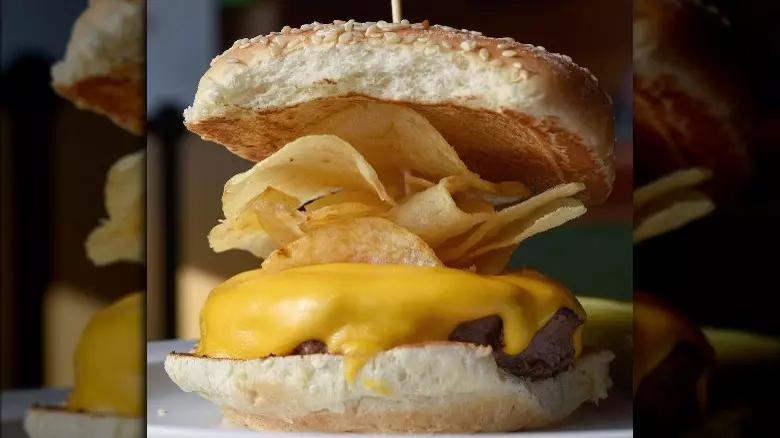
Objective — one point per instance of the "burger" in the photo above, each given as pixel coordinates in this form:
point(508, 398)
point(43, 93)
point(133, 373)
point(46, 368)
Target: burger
point(107, 396)
point(104, 63)
point(691, 106)
point(673, 361)
point(398, 167)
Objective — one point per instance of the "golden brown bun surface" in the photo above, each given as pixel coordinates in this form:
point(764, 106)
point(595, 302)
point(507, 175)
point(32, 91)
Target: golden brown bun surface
point(442, 387)
point(512, 111)
point(690, 102)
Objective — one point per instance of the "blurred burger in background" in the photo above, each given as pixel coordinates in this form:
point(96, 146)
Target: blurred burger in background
point(103, 72)
point(691, 106)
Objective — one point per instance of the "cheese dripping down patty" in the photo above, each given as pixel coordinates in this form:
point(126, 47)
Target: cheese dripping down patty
point(359, 310)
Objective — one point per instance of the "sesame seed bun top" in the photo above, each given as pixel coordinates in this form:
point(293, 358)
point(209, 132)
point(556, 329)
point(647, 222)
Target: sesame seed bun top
point(512, 111)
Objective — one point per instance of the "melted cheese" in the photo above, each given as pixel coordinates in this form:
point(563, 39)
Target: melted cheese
point(109, 377)
point(359, 310)
point(657, 331)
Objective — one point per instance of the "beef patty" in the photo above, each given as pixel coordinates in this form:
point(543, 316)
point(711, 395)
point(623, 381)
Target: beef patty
point(550, 351)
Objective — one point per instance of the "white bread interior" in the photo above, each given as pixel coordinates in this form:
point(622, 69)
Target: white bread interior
point(55, 421)
point(512, 111)
point(440, 387)
point(103, 65)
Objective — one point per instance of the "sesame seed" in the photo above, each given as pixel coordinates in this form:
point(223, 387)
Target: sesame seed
point(316, 23)
point(404, 21)
point(541, 48)
point(330, 38)
point(286, 30)
point(475, 33)
point(319, 27)
point(517, 65)
point(496, 63)
point(446, 45)
point(316, 39)
point(345, 37)
point(484, 54)
point(508, 53)
point(349, 25)
point(502, 46)
point(381, 23)
point(409, 38)
point(426, 24)
point(375, 35)
point(430, 50)
point(507, 39)
point(518, 75)
point(422, 40)
point(468, 45)
point(243, 46)
point(295, 31)
point(254, 40)
point(373, 29)
point(464, 30)
point(306, 27)
point(282, 41)
point(276, 49)
point(392, 37)
point(417, 26)
point(447, 28)
point(321, 32)
point(339, 22)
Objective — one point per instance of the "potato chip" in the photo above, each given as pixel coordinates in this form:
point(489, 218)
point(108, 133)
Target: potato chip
point(120, 236)
point(459, 247)
point(337, 212)
point(493, 262)
point(345, 196)
point(307, 168)
point(244, 232)
point(278, 215)
point(671, 213)
point(361, 240)
point(470, 202)
point(670, 183)
point(549, 216)
point(434, 215)
point(393, 137)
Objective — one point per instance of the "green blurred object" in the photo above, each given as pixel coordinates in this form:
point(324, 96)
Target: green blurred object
point(592, 259)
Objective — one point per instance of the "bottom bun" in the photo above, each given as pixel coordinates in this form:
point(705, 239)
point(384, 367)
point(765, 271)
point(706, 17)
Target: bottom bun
point(56, 421)
point(443, 387)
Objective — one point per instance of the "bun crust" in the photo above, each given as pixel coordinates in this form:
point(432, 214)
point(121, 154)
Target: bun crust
point(55, 421)
point(690, 107)
point(103, 66)
point(512, 111)
point(441, 387)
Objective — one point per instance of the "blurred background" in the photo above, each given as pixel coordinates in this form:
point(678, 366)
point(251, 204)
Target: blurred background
point(54, 163)
point(186, 174)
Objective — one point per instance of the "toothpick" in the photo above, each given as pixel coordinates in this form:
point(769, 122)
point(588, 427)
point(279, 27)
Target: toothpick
point(396, 5)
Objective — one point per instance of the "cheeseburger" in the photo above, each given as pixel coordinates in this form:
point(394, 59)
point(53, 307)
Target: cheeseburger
point(398, 167)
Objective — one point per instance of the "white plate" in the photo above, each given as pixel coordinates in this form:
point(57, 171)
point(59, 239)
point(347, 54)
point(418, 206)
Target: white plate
point(188, 415)
point(16, 403)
